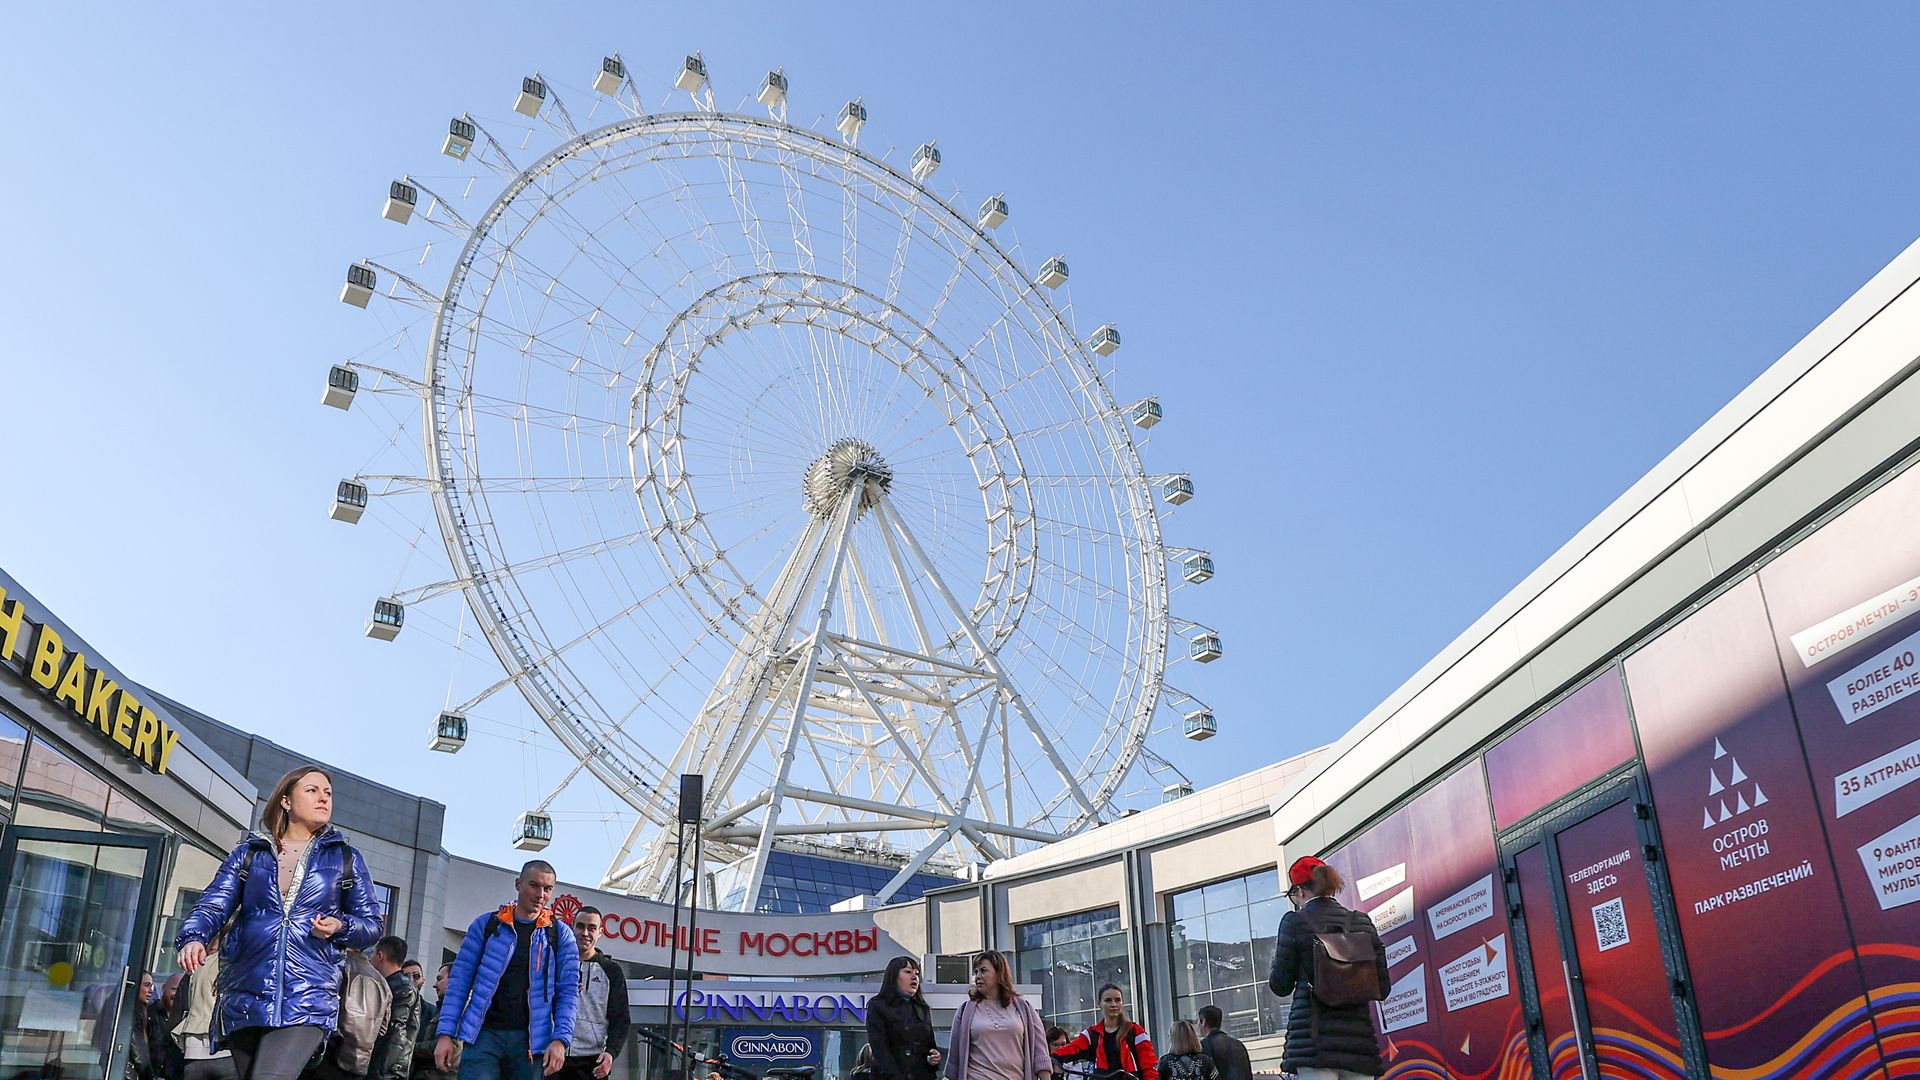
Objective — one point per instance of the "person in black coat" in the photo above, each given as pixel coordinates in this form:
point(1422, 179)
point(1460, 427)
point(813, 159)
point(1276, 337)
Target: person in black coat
point(900, 1026)
point(1324, 1042)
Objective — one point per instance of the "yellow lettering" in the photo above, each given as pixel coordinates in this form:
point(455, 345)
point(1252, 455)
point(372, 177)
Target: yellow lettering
point(123, 718)
point(44, 665)
point(100, 702)
point(168, 737)
point(13, 615)
point(143, 742)
point(73, 685)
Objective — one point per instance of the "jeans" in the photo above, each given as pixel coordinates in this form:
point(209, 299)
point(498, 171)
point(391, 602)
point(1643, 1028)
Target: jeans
point(1332, 1074)
point(497, 1054)
point(264, 1053)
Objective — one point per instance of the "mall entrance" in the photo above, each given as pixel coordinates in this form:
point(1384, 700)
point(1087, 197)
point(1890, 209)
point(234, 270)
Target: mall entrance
point(1603, 976)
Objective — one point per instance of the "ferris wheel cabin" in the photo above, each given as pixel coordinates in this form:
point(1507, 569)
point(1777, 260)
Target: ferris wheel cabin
point(402, 197)
point(1105, 340)
point(359, 287)
point(1053, 272)
point(460, 136)
point(342, 384)
point(349, 502)
point(1175, 791)
point(388, 615)
point(773, 89)
point(693, 72)
point(1205, 648)
point(1146, 413)
point(993, 213)
point(1197, 567)
point(926, 161)
point(612, 73)
point(533, 94)
point(853, 117)
point(1200, 726)
point(1177, 489)
point(533, 831)
point(449, 733)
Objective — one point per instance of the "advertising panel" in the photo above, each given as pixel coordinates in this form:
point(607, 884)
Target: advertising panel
point(1549, 977)
point(1379, 882)
point(1622, 976)
point(1845, 608)
point(1749, 866)
point(1580, 738)
point(1454, 872)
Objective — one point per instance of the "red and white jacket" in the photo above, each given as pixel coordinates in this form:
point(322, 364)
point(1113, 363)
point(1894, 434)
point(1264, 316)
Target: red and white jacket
point(1137, 1055)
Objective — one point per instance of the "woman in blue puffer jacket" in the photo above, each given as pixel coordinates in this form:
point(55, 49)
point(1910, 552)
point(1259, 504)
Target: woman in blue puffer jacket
point(297, 895)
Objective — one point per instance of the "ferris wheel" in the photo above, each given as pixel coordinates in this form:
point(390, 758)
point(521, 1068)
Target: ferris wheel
point(754, 456)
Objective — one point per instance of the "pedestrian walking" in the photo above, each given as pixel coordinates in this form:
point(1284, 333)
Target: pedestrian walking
point(1064, 1068)
point(393, 1052)
point(900, 1026)
point(1329, 958)
point(366, 1003)
point(1228, 1053)
point(1119, 1047)
point(1185, 1059)
point(514, 988)
point(601, 1023)
point(423, 1063)
point(193, 1032)
point(292, 897)
point(997, 1034)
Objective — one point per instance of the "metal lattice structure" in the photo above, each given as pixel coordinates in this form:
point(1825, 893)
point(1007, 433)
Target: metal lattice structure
point(755, 457)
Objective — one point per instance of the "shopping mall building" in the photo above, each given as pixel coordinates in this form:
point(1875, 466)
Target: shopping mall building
point(1652, 815)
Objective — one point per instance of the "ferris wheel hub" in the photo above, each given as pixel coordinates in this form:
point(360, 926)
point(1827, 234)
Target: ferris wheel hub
point(847, 464)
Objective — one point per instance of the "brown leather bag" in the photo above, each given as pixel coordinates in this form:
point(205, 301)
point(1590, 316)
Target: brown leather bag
point(1344, 972)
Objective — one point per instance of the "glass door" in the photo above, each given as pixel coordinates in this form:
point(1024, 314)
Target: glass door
point(72, 948)
point(1604, 979)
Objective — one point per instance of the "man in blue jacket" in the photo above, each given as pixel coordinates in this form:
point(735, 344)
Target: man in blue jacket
point(514, 989)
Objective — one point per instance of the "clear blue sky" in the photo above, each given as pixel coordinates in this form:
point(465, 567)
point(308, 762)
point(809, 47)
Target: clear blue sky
point(1422, 288)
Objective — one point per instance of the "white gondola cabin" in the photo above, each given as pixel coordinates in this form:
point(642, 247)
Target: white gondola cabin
point(342, 384)
point(1205, 648)
point(1105, 340)
point(533, 94)
point(853, 117)
point(349, 502)
point(773, 89)
point(460, 136)
point(402, 197)
point(993, 213)
point(1146, 413)
point(1177, 488)
point(693, 72)
point(533, 831)
point(1053, 272)
point(449, 733)
point(1175, 791)
point(1197, 567)
point(388, 616)
point(1201, 726)
point(359, 287)
point(926, 161)
point(613, 72)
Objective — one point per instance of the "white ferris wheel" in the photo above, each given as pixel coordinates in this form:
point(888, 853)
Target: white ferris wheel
point(754, 456)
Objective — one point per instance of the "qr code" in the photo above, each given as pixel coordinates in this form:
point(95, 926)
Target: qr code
point(1610, 924)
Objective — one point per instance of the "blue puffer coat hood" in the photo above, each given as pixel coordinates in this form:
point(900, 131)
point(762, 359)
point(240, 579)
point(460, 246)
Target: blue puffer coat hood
point(273, 971)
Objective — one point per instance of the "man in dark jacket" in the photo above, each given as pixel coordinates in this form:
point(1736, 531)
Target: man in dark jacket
point(601, 1020)
point(1228, 1053)
point(393, 1053)
point(1324, 1042)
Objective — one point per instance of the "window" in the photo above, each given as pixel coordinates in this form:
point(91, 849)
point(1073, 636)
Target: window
point(1222, 939)
point(1070, 958)
point(13, 751)
point(954, 969)
point(383, 899)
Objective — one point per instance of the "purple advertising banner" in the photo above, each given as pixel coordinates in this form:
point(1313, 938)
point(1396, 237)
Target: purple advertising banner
point(1379, 877)
point(1584, 735)
point(1778, 989)
point(1845, 608)
point(1549, 976)
point(1456, 877)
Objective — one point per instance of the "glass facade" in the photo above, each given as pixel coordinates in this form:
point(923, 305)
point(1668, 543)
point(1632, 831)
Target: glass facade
point(800, 884)
point(1070, 958)
point(1221, 937)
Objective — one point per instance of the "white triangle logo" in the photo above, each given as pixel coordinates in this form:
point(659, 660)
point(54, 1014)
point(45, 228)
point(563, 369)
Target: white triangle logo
point(1739, 774)
point(1724, 815)
point(1718, 750)
point(1715, 787)
point(1741, 806)
point(1759, 797)
point(1706, 818)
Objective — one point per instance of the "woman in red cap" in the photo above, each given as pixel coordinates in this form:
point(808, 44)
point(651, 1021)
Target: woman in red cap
point(1324, 1042)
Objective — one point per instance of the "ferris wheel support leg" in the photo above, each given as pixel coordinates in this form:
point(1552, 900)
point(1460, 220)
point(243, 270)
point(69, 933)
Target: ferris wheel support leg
point(616, 872)
point(914, 864)
point(884, 508)
point(776, 792)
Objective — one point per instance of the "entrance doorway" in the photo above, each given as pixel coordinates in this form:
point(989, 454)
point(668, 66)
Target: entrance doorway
point(1601, 969)
point(72, 949)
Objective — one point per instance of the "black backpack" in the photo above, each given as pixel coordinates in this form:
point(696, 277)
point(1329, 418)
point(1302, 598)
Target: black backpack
point(1344, 968)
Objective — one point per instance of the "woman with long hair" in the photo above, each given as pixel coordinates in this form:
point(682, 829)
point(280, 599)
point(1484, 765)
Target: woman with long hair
point(1324, 1042)
point(1185, 1059)
point(1120, 1047)
point(291, 897)
point(997, 1034)
point(900, 1026)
